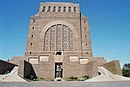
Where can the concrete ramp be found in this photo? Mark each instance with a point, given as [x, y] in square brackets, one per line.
[12, 76]
[107, 76]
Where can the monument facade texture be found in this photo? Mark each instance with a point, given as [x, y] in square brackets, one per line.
[59, 43]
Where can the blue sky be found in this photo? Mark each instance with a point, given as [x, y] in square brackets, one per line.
[109, 22]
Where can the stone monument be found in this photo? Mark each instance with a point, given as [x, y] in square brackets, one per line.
[59, 44]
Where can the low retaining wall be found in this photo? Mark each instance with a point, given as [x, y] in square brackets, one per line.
[113, 67]
[6, 67]
[25, 69]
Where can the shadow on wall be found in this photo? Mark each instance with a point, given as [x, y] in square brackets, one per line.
[29, 71]
[26, 70]
[6, 67]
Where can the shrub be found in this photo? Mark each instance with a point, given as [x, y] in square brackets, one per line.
[85, 77]
[126, 70]
[72, 78]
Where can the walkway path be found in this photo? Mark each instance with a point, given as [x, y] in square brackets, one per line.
[66, 84]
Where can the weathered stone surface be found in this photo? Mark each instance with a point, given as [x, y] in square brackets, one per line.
[113, 67]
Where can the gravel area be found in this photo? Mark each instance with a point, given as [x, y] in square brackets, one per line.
[66, 84]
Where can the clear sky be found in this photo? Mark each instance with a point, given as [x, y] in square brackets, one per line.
[109, 25]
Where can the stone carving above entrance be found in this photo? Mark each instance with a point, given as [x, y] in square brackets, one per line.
[58, 37]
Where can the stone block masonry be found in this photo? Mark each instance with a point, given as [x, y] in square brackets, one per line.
[25, 69]
[113, 67]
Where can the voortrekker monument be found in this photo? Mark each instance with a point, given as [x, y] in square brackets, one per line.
[59, 45]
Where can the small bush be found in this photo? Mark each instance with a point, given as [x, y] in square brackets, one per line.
[38, 79]
[30, 77]
[41, 78]
[85, 77]
[73, 78]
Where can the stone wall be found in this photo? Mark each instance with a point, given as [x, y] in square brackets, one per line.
[92, 69]
[99, 60]
[43, 21]
[73, 68]
[113, 67]
[46, 69]
[6, 66]
[25, 69]
[16, 59]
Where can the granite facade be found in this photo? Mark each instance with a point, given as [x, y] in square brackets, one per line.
[59, 44]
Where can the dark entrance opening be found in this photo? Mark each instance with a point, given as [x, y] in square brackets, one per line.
[99, 73]
[58, 53]
[58, 70]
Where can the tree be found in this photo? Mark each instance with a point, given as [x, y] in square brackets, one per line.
[126, 70]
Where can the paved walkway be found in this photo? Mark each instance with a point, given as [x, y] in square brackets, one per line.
[66, 84]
